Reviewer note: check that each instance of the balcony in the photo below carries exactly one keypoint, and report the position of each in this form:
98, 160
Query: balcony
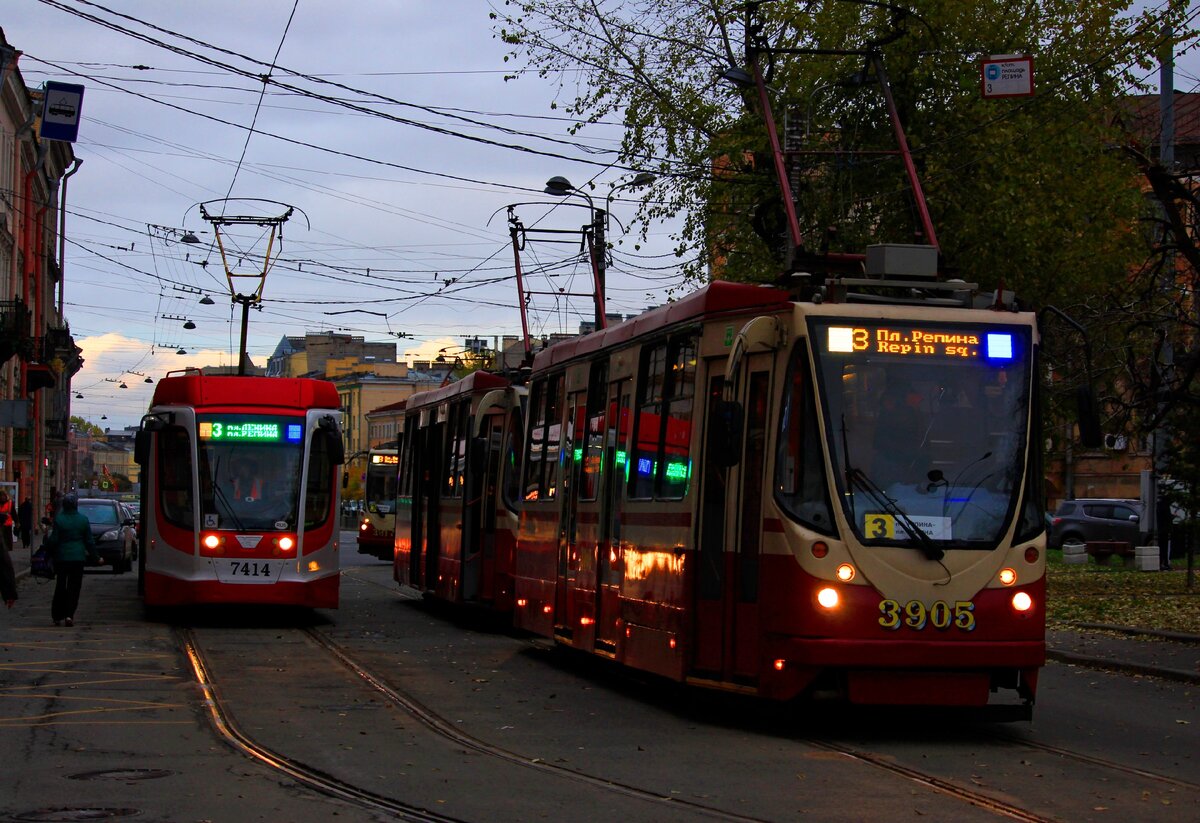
58, 344
15, 318
56, 428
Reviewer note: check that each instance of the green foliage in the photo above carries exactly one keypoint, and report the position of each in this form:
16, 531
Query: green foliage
1027, 192
84, 426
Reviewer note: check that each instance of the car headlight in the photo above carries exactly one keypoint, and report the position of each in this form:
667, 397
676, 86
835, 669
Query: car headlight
110, 535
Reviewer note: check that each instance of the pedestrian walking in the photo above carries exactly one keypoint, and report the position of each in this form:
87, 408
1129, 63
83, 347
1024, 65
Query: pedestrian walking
7, 519
71, 544
8, 578
25, 522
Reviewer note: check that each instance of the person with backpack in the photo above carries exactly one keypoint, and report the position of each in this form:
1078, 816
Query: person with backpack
72, 545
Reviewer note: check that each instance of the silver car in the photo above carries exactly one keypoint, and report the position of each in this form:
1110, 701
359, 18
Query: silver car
1096, 519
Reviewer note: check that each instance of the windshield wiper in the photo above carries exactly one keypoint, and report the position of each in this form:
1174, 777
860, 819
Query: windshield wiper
879, 496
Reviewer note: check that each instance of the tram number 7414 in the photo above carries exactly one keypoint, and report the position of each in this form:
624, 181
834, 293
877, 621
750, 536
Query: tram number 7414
241, 568
916, 615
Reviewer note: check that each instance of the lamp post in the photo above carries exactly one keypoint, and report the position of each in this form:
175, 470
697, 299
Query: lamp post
561, 187
597, 242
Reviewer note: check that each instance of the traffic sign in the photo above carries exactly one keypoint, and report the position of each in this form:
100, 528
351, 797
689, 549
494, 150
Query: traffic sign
1009, 75
61, 104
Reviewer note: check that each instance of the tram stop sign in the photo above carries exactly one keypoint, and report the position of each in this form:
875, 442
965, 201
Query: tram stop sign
61, 104
1009, 75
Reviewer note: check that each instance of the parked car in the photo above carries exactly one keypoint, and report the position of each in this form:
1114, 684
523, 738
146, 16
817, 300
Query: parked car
113, 531
1096, 519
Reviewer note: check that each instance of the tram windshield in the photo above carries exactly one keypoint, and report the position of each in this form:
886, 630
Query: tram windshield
382, 472
249, 471
927, 427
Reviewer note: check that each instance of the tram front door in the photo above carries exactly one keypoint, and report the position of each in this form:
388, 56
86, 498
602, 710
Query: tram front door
725, 580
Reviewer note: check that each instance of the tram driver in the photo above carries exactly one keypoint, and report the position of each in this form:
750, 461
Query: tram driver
247, 481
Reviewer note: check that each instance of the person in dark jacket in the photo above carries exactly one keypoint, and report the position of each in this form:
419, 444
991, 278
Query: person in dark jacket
71, 545
25, 522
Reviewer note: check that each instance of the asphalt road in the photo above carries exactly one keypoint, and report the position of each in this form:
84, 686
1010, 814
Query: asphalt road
107, 720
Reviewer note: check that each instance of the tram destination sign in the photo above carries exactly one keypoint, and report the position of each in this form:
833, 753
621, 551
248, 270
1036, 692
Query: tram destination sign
255, 431
918, 342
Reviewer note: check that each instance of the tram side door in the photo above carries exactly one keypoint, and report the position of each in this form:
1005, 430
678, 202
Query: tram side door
726, 577
432, 474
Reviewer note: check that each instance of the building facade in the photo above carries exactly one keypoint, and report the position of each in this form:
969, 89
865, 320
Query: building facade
38, 355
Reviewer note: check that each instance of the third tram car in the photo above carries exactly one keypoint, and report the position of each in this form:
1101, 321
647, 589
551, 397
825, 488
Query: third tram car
240, 492
377, 521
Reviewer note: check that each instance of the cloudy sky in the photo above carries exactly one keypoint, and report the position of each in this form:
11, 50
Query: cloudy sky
398, 144
398, 149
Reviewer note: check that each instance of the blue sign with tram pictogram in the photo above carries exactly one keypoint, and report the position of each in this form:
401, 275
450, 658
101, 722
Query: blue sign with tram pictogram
61, 104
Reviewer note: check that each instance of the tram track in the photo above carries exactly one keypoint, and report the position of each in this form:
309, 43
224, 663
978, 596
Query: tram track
442, 727
437, 725
227, 727
1101, 762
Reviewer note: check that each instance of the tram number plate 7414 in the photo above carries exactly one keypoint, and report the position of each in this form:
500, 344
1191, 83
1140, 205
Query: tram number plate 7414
916, 615
250, 571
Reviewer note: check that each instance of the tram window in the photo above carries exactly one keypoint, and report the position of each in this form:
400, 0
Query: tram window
511, 470
593, 432
800, 481
554, 406
541, 464
175, 476
537, 436
318, 493
648, 422
675, 463
661, 463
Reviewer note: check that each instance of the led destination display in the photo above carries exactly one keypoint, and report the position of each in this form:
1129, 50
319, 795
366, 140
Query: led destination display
257, 431
918, 342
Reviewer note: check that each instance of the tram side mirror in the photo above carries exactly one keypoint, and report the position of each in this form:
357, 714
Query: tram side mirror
1090, 436
327, 428
141, 447
725, 433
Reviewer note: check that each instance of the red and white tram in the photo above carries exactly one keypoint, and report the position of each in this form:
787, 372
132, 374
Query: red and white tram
456, 521
377, 523
240, 492
750, 493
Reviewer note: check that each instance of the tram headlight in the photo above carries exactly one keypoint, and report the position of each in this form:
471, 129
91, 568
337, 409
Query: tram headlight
1007, 576
286, 543
1022, 602
211, 541
828, 597
365, 525
845, 572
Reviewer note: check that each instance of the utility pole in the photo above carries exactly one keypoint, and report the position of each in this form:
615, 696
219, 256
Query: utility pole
1158, 508
222, 222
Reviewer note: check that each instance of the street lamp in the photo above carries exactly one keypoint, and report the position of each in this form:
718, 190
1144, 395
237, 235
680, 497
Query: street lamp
561, 187
189, 238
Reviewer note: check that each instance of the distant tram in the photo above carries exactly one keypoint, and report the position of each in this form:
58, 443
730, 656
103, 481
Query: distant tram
240, 492
377, 523
747, 492
456, 522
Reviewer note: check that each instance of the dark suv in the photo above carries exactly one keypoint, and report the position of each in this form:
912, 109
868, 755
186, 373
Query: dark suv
113, 531
1096, 519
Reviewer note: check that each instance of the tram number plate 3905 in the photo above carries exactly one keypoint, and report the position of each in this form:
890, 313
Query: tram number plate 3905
250, 571
916, 615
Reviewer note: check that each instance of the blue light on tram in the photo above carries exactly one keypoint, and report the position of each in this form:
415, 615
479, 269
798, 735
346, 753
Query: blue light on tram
645, 466
295, 432
999, 346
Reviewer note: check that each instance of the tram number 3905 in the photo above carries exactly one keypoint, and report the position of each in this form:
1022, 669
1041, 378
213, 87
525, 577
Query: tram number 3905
240, 568
916, 615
